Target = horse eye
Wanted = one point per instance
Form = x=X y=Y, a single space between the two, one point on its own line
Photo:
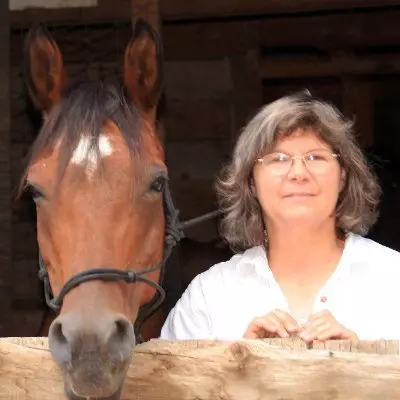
x=34 y=192
x=158 y=184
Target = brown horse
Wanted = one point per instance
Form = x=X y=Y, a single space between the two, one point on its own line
x=98 y=178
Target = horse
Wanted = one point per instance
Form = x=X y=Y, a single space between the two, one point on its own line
x=106 y=224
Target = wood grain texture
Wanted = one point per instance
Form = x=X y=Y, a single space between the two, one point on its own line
x=251 y=370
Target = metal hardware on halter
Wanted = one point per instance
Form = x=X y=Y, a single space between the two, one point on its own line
x=173 y=234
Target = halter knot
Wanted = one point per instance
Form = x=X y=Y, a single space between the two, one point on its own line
x=173 y=235
x=131 y=276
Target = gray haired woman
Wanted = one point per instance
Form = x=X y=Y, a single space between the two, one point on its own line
x=298 y=199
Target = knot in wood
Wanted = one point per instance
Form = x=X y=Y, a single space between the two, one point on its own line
x=239 y=352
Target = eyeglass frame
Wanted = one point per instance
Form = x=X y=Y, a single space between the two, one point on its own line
x=298 y=156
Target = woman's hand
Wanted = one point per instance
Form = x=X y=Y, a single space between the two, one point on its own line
x=276 y=323
x=323 y=326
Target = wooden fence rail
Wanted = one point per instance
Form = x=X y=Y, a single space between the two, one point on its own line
x=206 y=370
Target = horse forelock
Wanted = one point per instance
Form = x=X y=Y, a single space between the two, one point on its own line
x=77 y=126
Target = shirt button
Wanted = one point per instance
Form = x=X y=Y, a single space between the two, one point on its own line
x=323 y=299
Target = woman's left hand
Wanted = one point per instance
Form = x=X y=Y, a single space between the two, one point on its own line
x=323 y=326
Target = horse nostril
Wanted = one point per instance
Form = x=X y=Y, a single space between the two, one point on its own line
x=121 y=339
x=58 y=342
x=58 y=333
x=121 y=328
x=75 y=340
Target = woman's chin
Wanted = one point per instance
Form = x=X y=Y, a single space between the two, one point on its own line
x=300 y=217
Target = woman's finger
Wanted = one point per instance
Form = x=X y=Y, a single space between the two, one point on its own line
x=260 y=327
x=289 y=323
x=264 y=327
x=313 y=332
x=273 y=326
x=316 y=324
x=330 y=332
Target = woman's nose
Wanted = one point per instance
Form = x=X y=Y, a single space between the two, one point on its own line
x=298 y=168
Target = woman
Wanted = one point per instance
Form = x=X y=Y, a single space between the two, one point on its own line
x=298 y=199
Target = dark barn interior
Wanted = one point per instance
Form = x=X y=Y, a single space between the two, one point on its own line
x=223 y=60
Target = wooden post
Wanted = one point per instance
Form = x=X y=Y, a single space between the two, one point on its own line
x=5 y=177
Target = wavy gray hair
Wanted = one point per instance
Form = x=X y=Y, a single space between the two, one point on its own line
x=242 y=225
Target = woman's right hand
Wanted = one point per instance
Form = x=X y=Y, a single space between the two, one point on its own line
x=276 y=323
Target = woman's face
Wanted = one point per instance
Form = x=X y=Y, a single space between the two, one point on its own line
x=299 y=181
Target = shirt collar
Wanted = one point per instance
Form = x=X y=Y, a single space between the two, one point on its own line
x=254 y=261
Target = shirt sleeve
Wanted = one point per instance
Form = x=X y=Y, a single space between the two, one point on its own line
x=189 y=319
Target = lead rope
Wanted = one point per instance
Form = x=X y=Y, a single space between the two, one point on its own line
x=173 y=235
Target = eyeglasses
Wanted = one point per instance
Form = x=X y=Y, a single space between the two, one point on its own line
x=316 y=161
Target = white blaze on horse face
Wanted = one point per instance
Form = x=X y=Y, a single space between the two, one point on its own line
x=83 y=154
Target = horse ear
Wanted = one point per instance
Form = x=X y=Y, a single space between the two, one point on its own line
x=44 y=68
x=143 y=67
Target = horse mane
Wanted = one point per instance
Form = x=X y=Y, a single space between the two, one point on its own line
x=82 y=111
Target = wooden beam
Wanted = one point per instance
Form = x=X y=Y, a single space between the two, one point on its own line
x=313 y=67
x=199 y=9
x=162 y=370
x=177 y=10
x=331 y=31
x=211 y=40
x=6 y=275
x=320 y=33
x=180 y=42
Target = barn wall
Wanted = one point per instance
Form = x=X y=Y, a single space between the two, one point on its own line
x=5 y=187
x=217 y=74
x=26 y=4
x=205 y=103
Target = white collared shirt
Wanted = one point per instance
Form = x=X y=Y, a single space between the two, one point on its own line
x=363 y=294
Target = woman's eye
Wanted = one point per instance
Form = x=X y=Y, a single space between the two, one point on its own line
x=279 y=157
x=158 y=184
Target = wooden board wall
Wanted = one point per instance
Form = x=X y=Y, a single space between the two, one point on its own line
x=6 y=283
x=178 y=10
x=217 y=73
